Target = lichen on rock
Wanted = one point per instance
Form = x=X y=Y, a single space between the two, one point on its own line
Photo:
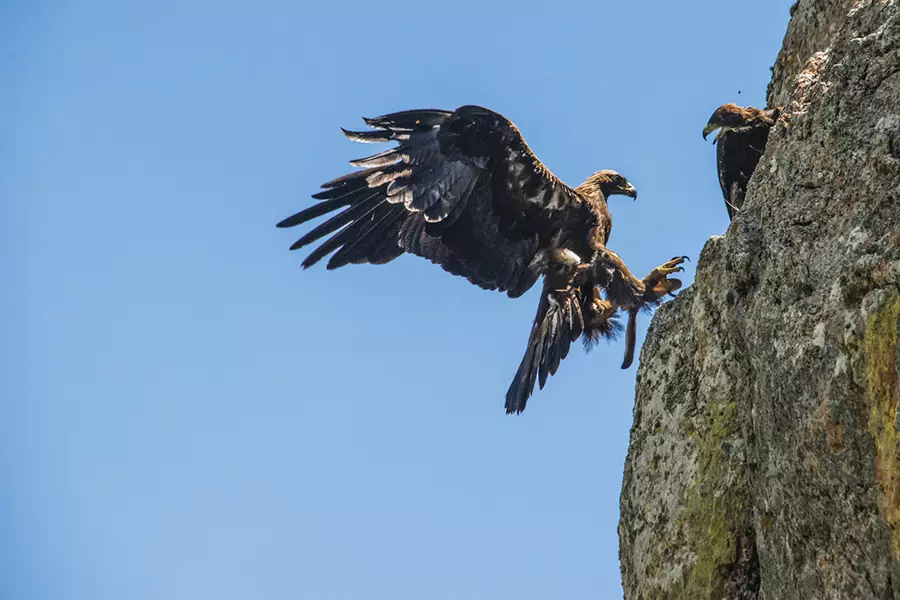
x=880 y=346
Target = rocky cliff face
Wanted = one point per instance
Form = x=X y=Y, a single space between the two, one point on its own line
x=765 y=451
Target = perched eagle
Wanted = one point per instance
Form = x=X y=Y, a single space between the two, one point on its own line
x=742 y=137
x=463 y=189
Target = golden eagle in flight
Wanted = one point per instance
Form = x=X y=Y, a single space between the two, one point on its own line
x=463 y=190
x=741 y=140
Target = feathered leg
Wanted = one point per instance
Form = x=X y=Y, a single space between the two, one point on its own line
x=627 y=292
x=599 y=317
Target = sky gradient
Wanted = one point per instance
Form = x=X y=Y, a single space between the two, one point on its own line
x=187 y=414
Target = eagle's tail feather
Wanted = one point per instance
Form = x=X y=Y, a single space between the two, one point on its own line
x=558 y=323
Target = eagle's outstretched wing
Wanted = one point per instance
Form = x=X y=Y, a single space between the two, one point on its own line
x=461 y=189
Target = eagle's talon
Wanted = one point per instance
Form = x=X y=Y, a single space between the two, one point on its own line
x=659 y=273
x=661 y=289
x=657 y=285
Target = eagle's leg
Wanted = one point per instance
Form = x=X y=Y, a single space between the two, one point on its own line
x=599 y=317
x=631 y=294
x=609 y=271
x=624 y=289
x=598 y=311
x=657 y=286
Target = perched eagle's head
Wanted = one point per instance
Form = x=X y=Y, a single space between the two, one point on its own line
x=610 y=183
x=728 y=117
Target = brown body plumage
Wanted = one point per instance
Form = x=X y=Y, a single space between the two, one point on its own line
x=742 y=137
x=464 y=190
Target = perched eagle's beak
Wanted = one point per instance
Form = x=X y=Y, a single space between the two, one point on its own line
x=630 y=191
x=710 y=127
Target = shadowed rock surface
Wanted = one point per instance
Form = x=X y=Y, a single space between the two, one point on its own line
x=765 y=454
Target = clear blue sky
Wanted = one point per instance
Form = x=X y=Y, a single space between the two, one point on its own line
x=186 y=414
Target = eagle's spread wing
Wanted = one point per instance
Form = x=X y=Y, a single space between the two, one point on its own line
x=461 y=189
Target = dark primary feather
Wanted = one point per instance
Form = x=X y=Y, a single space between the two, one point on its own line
x=361 y=207
x=368 y=137
x=369 y=240
x=410 y=120
x=316 y=210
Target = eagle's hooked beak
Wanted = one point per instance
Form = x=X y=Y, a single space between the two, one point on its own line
x=710 y=127
x=630 y=191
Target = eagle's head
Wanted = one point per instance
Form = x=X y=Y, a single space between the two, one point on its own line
x=610 y=183
x=728 y=117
